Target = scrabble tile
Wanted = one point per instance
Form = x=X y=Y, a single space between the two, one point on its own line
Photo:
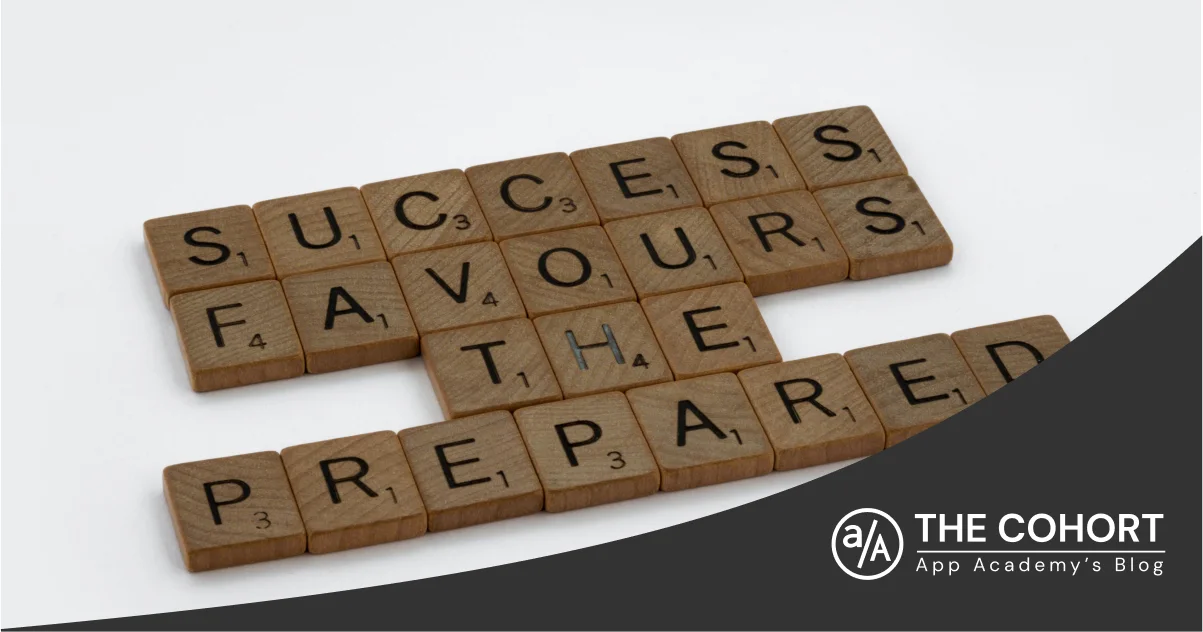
x=198 y=251
x=237 y=335
x=839 y=147
x=234 y=510
x=886 y=227
x=472 y=470
x=782 y=242
x=673 y=251
x=349 y=317
x=318 y=231
x=711 y=330
x=635 y=178
x=999 y=353
x=607 y=348
x=914 y=384
x=702 y=431
x=497 y=366
x=354 y=491
x=588 y=451
x=457 y=287
x=433 y=210
x=813 y=411
x=567 y=269
x=531 y=195
x=737 y=161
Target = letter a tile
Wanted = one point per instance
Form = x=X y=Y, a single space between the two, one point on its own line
x=318 y=231
x=1000 y=353
x=600 y=349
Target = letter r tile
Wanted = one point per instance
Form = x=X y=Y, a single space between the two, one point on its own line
x=1000 y=353
x=318 y=231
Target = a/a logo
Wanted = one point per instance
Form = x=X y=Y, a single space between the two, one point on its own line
x=867 y=544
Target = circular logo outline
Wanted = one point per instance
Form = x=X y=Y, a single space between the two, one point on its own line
x=835 y=536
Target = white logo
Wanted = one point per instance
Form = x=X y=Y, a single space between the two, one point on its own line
x=864 y=545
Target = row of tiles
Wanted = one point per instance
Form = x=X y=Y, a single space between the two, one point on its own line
x=580 y=452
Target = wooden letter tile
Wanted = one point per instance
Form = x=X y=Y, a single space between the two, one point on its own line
x=349 y=317
x=702 y=431
x=782 y=242
x=813 y=411
x=236 y=335
x=231 y=511
x=433 y=210
x=472 y=470
x=839 y=147
x=588 y=451
x=354 y=491
x=737 y=161
x=607 y=348
x=197 y=251
x=914 y=384
x=531 y=195
x=567 y=269
x=635 y=178
x=457 y=287
x=711 y=330
x=498 y=366
x=318 y=231
x=886 y=227
x=998 y=354
x=673 y=251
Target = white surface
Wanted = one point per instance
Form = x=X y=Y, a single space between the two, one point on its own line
x=1059 y=144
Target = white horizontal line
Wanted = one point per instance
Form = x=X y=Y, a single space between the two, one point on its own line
x=1036 y=552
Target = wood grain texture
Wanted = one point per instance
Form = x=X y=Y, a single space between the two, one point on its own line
x=350 y=317
x=424 y=212
x=588 y=451
x=472 y=470
x=914 y=384
x=635 y=178
x=737 y=161
x=497 y=366
x=999 y=353
x=886 y=227
x=198 y=251
x=318 y=231
x=813 y=411
x=702 y=431
x=599 y=349
x=234 y=510
x=673 y=251
x=531 y=195
x=839 y=147
x=782 y=242
x=457 y=287
x=237 y=335
x=710 y=330
x=567 y=269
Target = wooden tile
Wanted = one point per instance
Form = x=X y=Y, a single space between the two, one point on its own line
x=588 y=451
x=673 y=251
x=737 y=161
x=457 y=287
x=599 y=349
x=914 y=384
x=711 y=330
x=498 y=366
x=472 y=470
x=197 y=251
x=635 y=178
x=813 y=411
x=999 y=353
x=886 y=227
x=567 y=269
x=237 y=335
x=531 y=195
x=234 y=510
x=702 y=431
x=782 y=242
x=318 y=231
x=354 y=491
x=433 y=210
x=839 y=147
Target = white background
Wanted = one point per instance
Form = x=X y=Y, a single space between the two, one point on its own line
x=1058 y=143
